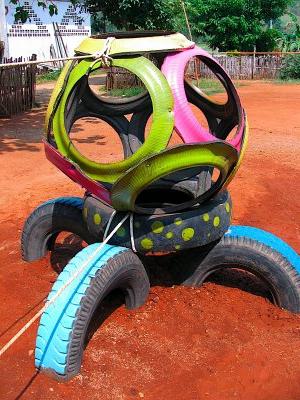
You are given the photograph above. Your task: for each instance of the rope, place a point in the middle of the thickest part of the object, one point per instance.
(186, 19)
(51, 301)
(102, 54)
(109, 224)
(132, 233)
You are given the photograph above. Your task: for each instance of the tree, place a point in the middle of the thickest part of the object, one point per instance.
(236, 24)
(123, 14)
(134, 14)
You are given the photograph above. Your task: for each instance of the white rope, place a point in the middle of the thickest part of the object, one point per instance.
(132, 233)
(103, 54)
(51, 301)
(109, 224)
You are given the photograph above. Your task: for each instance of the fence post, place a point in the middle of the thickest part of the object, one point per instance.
(253, 63)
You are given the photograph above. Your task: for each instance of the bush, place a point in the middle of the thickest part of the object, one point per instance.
(291, 67)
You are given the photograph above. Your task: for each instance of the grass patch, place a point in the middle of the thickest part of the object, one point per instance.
(125, 92)
(286, 81)
(212, 86)
(48, 76)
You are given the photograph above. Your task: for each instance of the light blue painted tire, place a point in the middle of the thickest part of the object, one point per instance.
(256, 251)
(64, 325)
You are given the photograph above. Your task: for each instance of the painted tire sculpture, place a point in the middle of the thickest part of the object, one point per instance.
(147, 161)
(171, 196)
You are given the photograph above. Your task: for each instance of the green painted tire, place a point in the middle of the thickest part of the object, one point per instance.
(161, 129)
(218, 155)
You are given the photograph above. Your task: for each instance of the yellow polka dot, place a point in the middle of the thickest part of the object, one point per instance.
(121, 232)
(169, 235)
(216, 222)
(137, 225)
(147, 244)
(97, 219)
(187, 234)
(177, 247)
(227, 207)
(178, 221)
(205, 217)
(157, 227)
(85, 213)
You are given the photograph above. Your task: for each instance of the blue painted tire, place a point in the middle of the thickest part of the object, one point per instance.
(49, 219)
(64, 325)
(253, 250)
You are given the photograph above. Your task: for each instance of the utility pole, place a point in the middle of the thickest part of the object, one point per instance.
(3, 33)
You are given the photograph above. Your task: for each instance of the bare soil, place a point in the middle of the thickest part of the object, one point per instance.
(217, 342)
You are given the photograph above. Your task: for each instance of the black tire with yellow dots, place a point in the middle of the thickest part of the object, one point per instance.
(163, 233)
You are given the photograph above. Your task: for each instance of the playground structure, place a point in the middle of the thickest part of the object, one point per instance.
(173, 200)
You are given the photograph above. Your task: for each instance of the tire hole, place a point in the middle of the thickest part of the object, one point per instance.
(65, 247)
(97, 140)
(159, 196)
(107, 306)
(241, 279)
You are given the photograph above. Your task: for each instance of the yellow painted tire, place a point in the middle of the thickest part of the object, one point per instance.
(218, 155)
(161, 129)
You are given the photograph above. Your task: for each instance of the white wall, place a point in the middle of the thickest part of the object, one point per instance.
(37, 35)
(3, 35)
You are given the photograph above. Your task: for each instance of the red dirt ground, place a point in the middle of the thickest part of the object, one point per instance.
(214, 342)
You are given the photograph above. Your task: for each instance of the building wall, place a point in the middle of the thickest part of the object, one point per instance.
(37, 34)
(3, 34)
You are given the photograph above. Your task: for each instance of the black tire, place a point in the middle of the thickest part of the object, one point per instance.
(47, 221)
(111, 107)
(163, 233)
(64, 326)
(268, 264)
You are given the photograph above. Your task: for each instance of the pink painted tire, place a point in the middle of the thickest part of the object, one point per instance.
(186, 124)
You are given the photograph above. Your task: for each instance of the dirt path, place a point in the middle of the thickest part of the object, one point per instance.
(215, 342)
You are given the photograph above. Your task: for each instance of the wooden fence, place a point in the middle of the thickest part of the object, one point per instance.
(239, 66)
(244, 67)
(118, 78)
(17, 87)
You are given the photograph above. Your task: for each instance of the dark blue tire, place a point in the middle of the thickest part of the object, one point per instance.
(256, 251)
(64, 325)
(47, 221)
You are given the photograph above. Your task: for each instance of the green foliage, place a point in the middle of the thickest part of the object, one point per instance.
(289, 27)
(48, 76)
(120, 14)
(291, 67)
(134, 14)
(268, 40)
(21, 15)
(236, 24)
